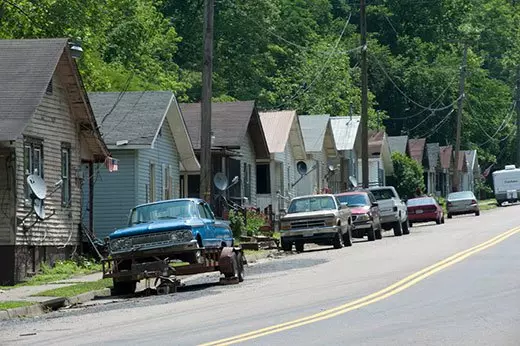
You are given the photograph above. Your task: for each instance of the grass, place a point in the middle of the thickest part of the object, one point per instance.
(14, 304)
(488, 204)
(62, 270)
(255, 252)
(74, 290)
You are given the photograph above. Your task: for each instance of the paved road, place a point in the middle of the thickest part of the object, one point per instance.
(473, 300)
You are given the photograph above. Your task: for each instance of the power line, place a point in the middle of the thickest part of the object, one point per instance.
(119, 97)
(436, 127)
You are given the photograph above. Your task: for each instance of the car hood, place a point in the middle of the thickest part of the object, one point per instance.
(359, 210)
(308, 214)
(152, 227)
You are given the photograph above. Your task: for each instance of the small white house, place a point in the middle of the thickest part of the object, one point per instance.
(347, 137)
(286, 147)
(380, 163)
(321, 150)
(473, 171)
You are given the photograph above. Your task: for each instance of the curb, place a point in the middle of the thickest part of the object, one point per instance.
(52, 304)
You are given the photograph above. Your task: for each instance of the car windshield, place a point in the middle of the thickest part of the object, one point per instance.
(420, 201)
(381, 194)
(461, 195)
(162, 211)
(354, 200)
(301, 205)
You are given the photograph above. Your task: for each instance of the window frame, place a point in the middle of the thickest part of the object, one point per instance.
(66, 201)
(31, 146)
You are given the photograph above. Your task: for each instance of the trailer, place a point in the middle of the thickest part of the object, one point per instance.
(507, 184)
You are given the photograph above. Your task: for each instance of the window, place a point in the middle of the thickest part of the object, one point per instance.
(151, 185)
(65, 175)
(33, 160)
(167, 182)
(263, 178)
(203, 212)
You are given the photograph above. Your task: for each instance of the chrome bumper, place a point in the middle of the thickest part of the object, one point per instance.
(310, 232)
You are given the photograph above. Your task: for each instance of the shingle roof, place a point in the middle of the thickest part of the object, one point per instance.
(277, 126)
(462, 164)
(345, 130)
(137, 116)
(398, 144)
(230, 122)
(375, 142)
(416, 149)
(433, 152)
(446, 156)
(314, 128)
(26, 67)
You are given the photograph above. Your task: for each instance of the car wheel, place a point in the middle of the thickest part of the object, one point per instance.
(286, 245)
(449, 216)
(123, 287)
(398, 231)
(442, 219)
(379, 233)
(240, 262)
(438, 221)
(410, 224)
(347, 237)
(405, 228)
(477, 213)
(299, 247)
(371, 234)
(236, 268)
(337, 242)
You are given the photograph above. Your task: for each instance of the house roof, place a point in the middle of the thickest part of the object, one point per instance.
(398, 144)
(462, 165)
(26, 68)
(317, 134)
(279, 128)
(345, 130)
(446, 156)
(230, 122)
(432, 153)
(472, 159)
(137, 117)
(416, 149)
(375, 143)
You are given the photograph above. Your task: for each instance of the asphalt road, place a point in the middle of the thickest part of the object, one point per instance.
(473, 298)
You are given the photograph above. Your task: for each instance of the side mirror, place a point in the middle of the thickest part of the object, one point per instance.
(283, 212)
(343, 206)
(375, 204)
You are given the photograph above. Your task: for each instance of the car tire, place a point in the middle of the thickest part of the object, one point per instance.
(477, 213)
(438, 221)
(347, 237)
(442, 219)
(398, 231)
(410, 224)
(371, 234)
(237, 268)
(337, 242)
(379, 233)
(286, 245)
(299, 247)
(123, 287)
(405, 228)
(240, 262)
(449, 216)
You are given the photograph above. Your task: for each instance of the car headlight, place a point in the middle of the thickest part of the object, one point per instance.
(286, 226)
(174, 236)
(120, 244)
(363, 217)
(330, 222)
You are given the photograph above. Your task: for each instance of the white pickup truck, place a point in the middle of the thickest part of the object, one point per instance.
(393, 210)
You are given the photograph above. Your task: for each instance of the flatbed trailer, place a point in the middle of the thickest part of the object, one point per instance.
(126, 271)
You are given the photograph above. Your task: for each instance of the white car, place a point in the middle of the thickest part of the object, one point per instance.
(393, 210)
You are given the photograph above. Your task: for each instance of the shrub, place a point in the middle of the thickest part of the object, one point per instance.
(236, 222)
(408, 175)
(255, 220)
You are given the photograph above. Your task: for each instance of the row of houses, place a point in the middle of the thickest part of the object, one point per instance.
(101, 154)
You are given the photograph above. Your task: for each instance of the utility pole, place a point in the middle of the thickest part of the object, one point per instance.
(205, 123)
(456, 174)
(364, 94)
(518, 118)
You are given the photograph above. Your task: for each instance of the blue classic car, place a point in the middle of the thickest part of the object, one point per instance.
(170, 226)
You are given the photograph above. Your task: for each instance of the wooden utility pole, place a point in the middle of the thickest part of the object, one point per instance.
(456, 174)
(205, 123)
(364, 95)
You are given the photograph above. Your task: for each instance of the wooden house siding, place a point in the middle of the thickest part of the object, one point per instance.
(7, 196)
(249, 157)
(53, 124)
(163, 154)
(114, 194)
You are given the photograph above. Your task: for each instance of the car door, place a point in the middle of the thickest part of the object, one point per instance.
(374, 210)
(222, 233)
(343, 211)
(208, 238)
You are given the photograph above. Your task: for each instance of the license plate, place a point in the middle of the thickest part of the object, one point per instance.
(308, 234)
(419, 211)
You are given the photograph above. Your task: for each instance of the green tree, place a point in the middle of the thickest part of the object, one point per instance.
(408, 175)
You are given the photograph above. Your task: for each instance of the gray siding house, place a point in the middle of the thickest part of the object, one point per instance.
(321, 151)
(238, 141)
(470, 178)
(347, 136)
(46, 128)
(146, 134)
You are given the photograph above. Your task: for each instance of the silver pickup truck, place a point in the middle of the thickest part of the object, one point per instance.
(393, 210)
(318, 219)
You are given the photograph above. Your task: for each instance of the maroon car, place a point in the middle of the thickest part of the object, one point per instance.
(424, 209)
(365, 213)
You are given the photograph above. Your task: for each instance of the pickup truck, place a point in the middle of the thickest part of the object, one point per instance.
(318, 219)
(162, 232)
(393, 210)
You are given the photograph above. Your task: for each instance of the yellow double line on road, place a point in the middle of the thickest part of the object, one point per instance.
(370, 299)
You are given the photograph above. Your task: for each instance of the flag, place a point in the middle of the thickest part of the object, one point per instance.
(487, 171)
(112, 164)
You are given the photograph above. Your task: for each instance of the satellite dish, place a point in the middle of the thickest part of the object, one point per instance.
(235, 180)
(331, 168)
(353, 181)
(37, 186)
(39, 208)
(220, 180)
(301, 167)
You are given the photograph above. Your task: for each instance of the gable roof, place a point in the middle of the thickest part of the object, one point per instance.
(137, 117)
(378, 148)
(26, 68)
(432, 154)
(281, 127)
(346, 132)
(317, 134)
(398, 144)
(446, 156)
(462, 165)
(472, 159)
(416, 149)
(230, 122)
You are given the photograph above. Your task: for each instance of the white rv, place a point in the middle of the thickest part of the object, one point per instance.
(507, 184)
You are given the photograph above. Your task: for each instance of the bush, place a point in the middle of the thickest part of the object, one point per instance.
(236, 222)
(254, 221)
(408, 175)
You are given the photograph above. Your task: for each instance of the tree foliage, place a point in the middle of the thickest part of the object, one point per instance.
(408, 175)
